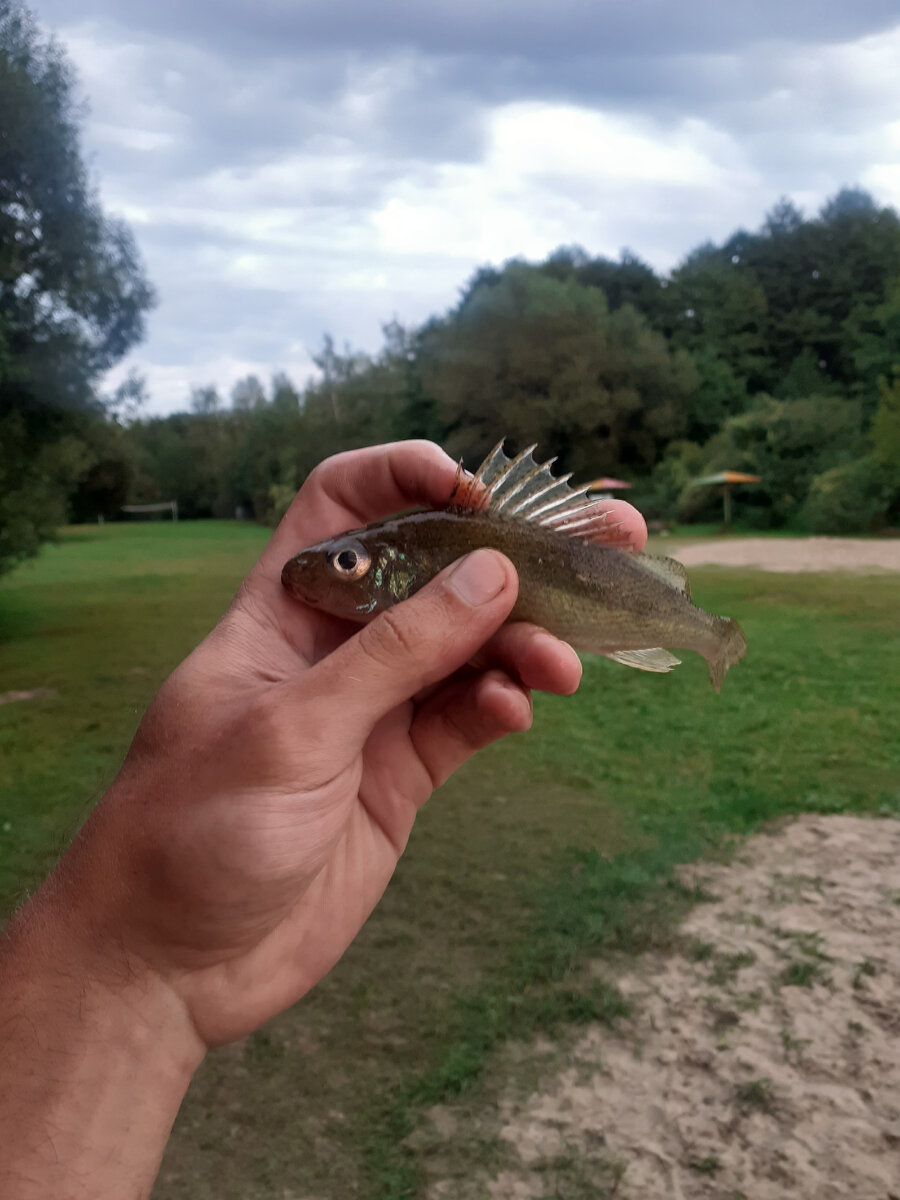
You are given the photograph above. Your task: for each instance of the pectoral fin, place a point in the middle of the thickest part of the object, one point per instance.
(657, 659)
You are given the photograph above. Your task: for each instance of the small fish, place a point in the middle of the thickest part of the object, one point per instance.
(573, 579)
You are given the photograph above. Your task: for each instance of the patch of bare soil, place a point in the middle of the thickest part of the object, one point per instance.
(796, 554)
(763, 1059)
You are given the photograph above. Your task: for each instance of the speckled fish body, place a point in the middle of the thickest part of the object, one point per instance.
(595, 596)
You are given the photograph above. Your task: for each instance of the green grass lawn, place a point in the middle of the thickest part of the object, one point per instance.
(552, 850)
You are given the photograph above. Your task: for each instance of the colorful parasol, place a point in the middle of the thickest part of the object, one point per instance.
(726, 480)
(605, 484)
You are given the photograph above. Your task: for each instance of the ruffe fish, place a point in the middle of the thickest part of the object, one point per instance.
(573, 578)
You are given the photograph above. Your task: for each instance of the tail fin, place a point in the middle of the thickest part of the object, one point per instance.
(731, 646)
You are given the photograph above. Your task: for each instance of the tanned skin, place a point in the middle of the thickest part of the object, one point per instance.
(255, 823)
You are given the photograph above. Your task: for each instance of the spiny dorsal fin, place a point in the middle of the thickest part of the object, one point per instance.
(521, 489)
(667, 569)
(657, 659)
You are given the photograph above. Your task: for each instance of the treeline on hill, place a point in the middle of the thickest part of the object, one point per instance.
(775, 353)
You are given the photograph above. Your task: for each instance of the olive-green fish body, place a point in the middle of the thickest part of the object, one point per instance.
(597, 597)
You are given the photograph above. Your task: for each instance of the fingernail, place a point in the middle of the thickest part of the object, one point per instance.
(524, 715)
(478, 578)
(548, 643)
(573, 654)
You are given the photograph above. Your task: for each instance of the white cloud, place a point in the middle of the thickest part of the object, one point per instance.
(534, 140)
(555, 175)
(278, 197)
(170, 386)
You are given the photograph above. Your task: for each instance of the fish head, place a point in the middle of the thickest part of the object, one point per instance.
(355, 575)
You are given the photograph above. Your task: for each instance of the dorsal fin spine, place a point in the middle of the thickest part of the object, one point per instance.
(559, 503)
(531, 500)
(494, 463)
(595, 518)
(495, 488)
(521, 489)
(549, 497)
(509, 493)
(576, 509)
(511, 482)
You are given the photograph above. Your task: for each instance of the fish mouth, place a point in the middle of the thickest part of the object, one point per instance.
(292, 581)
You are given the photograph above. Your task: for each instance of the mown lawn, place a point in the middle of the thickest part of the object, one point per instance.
(552, 849)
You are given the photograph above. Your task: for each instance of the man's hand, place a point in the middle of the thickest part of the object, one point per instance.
(273, 783)
(272, 786)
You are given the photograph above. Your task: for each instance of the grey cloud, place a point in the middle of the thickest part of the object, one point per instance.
(369, 95)
(522, 28)
(240, 111)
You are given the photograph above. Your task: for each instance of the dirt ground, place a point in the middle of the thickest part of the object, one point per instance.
(795, 554)
(763, 1059)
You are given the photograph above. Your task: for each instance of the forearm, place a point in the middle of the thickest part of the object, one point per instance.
(95, 1058)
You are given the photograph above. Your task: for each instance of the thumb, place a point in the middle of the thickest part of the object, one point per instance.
(418, 642)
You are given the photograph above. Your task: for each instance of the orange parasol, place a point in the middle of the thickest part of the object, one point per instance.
(727, 480)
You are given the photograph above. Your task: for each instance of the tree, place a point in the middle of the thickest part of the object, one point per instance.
(788, 443)
(104, 488)
(886, 426)
(248, 393)
(72, 290)
(784, 219)
(770, 352)
(543, 359)
(815, 273)
(718, 312)
(864, 493)
(872, 341)
(626, 281)
(205, 400)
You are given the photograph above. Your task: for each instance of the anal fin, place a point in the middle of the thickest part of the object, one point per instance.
(656, 659)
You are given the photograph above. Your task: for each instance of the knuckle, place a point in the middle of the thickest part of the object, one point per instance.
(457, 740)
(390, 637)
(332, 465)
(423, 446)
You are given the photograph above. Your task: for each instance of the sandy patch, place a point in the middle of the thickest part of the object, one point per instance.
(795, 554)
(762, 1061)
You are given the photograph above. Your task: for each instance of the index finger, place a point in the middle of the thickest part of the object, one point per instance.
(359, 486)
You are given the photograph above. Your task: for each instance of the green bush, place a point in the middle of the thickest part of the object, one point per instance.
(658, 496)
(36, 478)
(855, 497)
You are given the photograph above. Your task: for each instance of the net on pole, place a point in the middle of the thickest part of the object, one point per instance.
(165, 506)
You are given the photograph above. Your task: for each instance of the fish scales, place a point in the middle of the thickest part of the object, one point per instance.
(596, 596)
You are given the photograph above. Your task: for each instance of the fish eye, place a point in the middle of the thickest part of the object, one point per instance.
(350, 560)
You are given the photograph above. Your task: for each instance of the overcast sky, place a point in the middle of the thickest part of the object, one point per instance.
(297, 167)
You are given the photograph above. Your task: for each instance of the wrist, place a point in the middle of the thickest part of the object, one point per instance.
(96, 1053)
(48, 958)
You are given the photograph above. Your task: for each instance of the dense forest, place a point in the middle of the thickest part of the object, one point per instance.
(776, 353)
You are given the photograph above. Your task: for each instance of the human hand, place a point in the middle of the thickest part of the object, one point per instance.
(273, 782)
